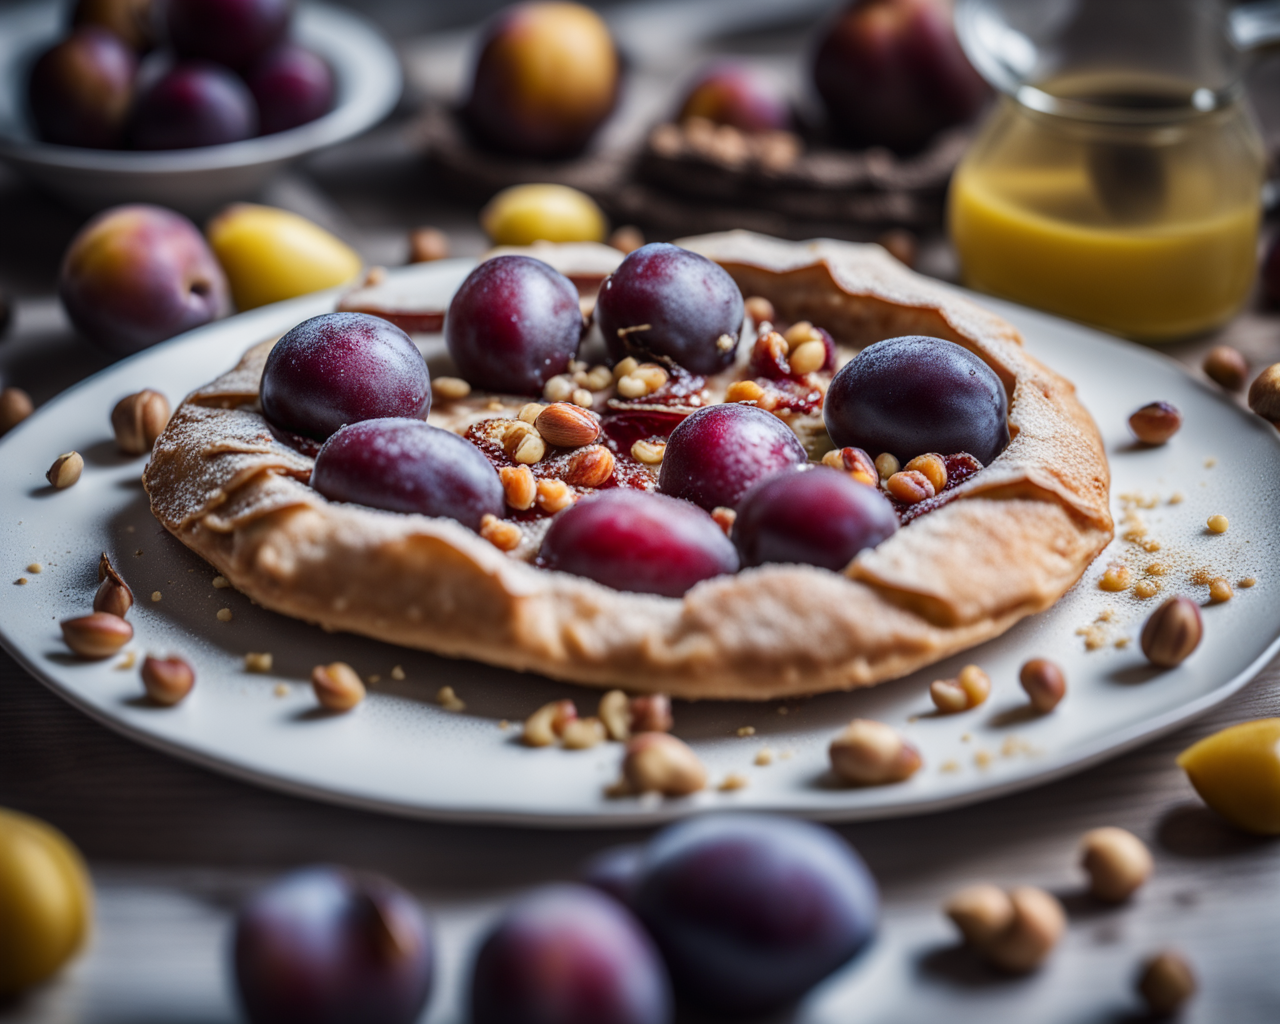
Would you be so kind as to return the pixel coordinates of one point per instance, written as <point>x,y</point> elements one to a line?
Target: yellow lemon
<point>271,254</point>
<point>1237,773</point>
<point>46,901</point>
<point>524,214</point>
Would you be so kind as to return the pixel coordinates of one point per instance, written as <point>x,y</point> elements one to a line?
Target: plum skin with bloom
<point>80,89</point>
<point>751,911</point>
<point>668,303</point>
<point>569,953</point>
<point>340,368</point>
<point>403,465</point>
<point>639,542</point>
<point>913,395</point>
<point>513,325</point>
<point>716,454</point>
<point>195,103</point>
<point>292,86</point>
<point>812,517</point>
<point>323,945</point>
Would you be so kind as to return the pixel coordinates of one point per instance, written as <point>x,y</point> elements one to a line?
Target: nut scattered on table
<point>1167,982</point>
<point>583,734</point>
<point>451,389</point>
<point>969,689</point>
<point>624,716</point>
<point>1226,367</point>
<point>657,762</point>
<point>66,470</point>
<point>982,912</point>
<point>259,662</point>
<point>114,595</point>
<point>1264,394</point>
<point>15,406</point>
<point>1172,633</point>
<point>337,686</point>
<point>547,724</point>
<point>428,244</point>
<point>1155,423</point>
<point>1037,926</point>
<point>1044,682</point>
<point>1118,863</point>
<point>627,238</point>
<point>99,635</point>
<point>167,680</point>
<point>1218,524</point>
<point>870,753</point>
<point>138,420</point>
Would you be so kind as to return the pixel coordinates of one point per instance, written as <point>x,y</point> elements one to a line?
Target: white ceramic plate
<point>199,180</point>
<point>401,752</point>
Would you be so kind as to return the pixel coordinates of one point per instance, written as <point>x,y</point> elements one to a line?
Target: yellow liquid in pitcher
<point>1151,242</point>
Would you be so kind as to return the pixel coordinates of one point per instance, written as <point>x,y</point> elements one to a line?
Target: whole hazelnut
<point>1037,925</point>
<point>1118,863</point>
<point>1172,633</point>
<point>870,753</point>
<point>167,680</point>
<point>138,420</point>
<point>1044,682</point>
<point>427,245</point>
<point>1226,367</point>
<point>15,406</point>
<point>1264,393</point>
<point>1167,982</point>
<point>1155,423</point>
<point>981,912</point>
<point>657,762</point>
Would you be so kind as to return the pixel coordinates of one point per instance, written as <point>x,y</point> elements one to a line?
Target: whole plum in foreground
<point>514,324</point>
<point>326,946</point>
<point>340,368</point>
<point>915,395</point>
<point>80,89</point>
<point>407,466</point>
<point>193,104</point>
<point>811,517</point>
<point>136,275</point>
<point>751,911</point>
<point>669,303</point>
<point>717,453</point>
<point>639,542</point>
<point>567,954</point>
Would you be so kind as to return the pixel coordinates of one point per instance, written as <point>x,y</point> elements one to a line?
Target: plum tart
<point>713,507</point>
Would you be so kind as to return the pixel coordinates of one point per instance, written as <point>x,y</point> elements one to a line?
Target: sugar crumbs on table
<point>733,781</point>
<point>397,673</point>
<point>1094,637</point>
<point>155,595</point>
<point>374,679</point>
<point>1177,498</point>
<point>787,755</point>
<point>224,614</point>
<point>1122,643</point>
<point>128,661</point>
<point>949,766</point>
<point>983,758</point>
<point>743,731</point>
<point>281,690</point>
<point>764,758</point>
<point>449,700</point>
<point>504,725</point>
<point>1210,462</point>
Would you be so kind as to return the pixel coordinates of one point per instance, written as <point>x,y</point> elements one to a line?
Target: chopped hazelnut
<point>599,378</point>
<point>725,518</point>
<point>910,486</point>
<point>933,467</point>
<point>799,333</point>
<point>581,397</point>
<point>503,535</point>
<point>65,471</point>
<point>657,762</point>
<point>1117,862</point>
<point>1226,367</point>
<point>649,453</point>
<point>981,913</point>
<point>559,388</point>
<point>224,614</point>
<point>744,391</point>
<point>615,713</point>
<point>583,734</point>
<point>554,495</point>
<point>449,700</point>
<point>1115,579</point>
<point>624,367</point>
<point>518,486</point>
<point>258,662</point>
<point>808,357</point>
<point>969,689</point>
<point>870,753</point>
<point>1146,588</point>
<point>114,595</point>
<point>337,686</point>
<point>1037,926</point>
<point>547,723</point>
<point>530,411</point>
<point>855,462</point>
<point>1155,423</point>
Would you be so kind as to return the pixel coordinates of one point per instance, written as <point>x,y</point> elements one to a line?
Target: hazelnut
<point>1167,982</point>
<point>426,245</point>
<point>615,713</point>
<point>744,391</point>
<point>1044,682</point>
<point>969,689</point>
<point>808,357</point>
<point>1115,579</point>
<point>15,406</point>
<point>627,238</point>
<point>558,388</point>
<point>657,762</point>
<point>554,495</point>
<point>760,310</point>
<point>337,686</point>
<point>114,596</point>
<point>138,420</point>
<point>1220,590</point>
<point>933,467</point>
<point>1117,862</point>
<point>529,450</point>
<point>1037,925</point>
<point>1264,393</point>
<point>725,518</point>
<point>503,535</point>
<point>65,471</point>
<point>887,465</point>
<point>589,467</point>
<point>518,486</point>
<point>855,462</point>
<point>1218,524</point>
<point>547,723</point>
<point>98,635</point>
<point>1226,367</point>
<point>259,662</point>
<point>981,912</point>
<point>1172,632</point>
<point>649,453</point>
<point>451,389</point>
<point>910,486</point>
<point>567,426</point>
<point>870,753</point>
<point>583,733</point>
<point>1155,423</point>
<point>167,680</point>
<point>599,378</point>
<point>624,367</point>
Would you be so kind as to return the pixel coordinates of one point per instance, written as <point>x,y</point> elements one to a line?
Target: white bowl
<point>195,181</point>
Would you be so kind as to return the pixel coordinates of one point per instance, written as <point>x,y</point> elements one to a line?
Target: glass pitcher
<point>1119,181</point>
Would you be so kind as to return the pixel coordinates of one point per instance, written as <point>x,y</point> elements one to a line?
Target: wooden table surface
<point>174,848</point>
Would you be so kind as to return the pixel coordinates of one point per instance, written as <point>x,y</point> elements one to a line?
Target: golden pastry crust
<point>1006,543</point>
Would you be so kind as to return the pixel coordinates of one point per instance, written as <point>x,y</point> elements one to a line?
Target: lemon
<point>524,214</point>
<point>1237,773</point>
<point>46,901</point>
<point>270,254</point>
